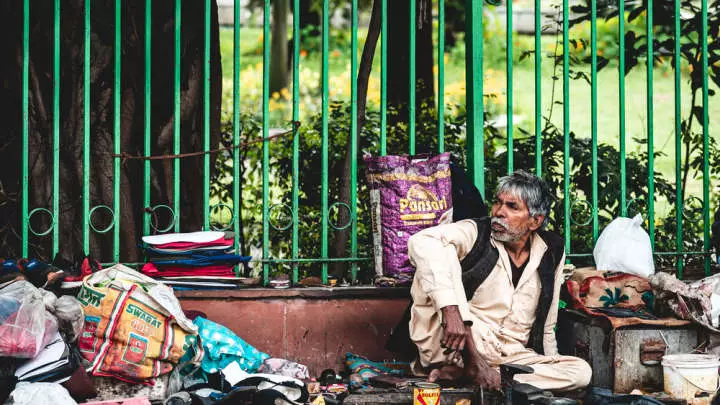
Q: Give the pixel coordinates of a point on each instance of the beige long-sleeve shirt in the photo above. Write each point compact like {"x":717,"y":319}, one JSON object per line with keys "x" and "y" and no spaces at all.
{"x":502,"y":314}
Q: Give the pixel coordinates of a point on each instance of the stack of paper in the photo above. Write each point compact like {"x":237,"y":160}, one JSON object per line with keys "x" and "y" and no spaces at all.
{"x":54,"y":363}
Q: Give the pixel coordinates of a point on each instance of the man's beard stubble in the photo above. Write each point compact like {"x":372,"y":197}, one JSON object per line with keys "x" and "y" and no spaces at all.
{"x":509,"y":235}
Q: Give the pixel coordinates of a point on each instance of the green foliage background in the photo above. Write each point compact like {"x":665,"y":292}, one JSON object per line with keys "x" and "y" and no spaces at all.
{"x":309,"y":135}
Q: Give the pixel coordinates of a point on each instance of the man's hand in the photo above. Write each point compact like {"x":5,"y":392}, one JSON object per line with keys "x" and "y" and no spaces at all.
{"x":454,"y":333}
{"x":457,"y":337}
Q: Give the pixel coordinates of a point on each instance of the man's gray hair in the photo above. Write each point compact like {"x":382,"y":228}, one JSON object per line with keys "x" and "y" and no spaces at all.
{"x":529,"y":188}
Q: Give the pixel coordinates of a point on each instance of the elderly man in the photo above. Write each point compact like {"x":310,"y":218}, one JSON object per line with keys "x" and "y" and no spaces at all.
{"x":486,"y":292}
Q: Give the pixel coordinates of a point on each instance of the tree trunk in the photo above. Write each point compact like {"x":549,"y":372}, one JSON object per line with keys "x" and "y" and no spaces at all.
{"x":101,"y":118}
{"x":341,"y":237}
{"x":398,"y":64}
{"x":309,"y":18}
{"x":279,"y":47}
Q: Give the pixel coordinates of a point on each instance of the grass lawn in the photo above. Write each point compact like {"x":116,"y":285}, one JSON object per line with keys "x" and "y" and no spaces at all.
{"x":608,"y":110}
{"x":523,"y":92}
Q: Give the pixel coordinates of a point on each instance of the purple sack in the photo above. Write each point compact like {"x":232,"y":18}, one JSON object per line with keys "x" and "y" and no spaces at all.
{"x":407,"y":194}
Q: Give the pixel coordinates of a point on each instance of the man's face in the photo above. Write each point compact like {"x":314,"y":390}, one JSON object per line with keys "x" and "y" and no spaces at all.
{"x":511,"y":219}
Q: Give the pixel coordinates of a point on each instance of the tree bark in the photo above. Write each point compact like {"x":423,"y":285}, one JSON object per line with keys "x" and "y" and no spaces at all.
{"x":398,"y":61}
{"x":101,"y":116}
{"x":365,"y":68}
{"x":279,"y":47}
{"x":309,"y":18}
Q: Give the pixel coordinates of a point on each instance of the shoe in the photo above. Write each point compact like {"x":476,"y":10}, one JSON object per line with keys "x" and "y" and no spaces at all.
{"x":9,"y":271}
{"x":40,"y":274}
{"x":77,"y":272}
{"x":8,"y":266}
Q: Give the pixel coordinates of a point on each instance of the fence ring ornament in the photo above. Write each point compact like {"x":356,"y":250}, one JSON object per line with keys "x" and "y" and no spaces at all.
{"x":336,"y":206}
{"x":52,"y":221}
{"x":154,"y":218}
{"x":232,"y":216}
{"x":107,"y":228}
{"x":280,"y":211}
{"x":687,"y":207}
{"x":587,"y":206}
{"x":635,"y":202}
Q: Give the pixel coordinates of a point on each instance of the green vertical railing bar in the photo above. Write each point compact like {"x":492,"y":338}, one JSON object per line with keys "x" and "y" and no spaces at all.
{"x":86,"y":131}
{"x":56,"y":141}
{"x":678,"y":144}
{"x":324,"y":142}
{"x":117,"y":100}
{"x":538,"y":88}
{"x":593,"y":112}
{"x":25,"y":122}
{"x":566,"y":125}
{"x":296,"y":137}
{"x":265,"y":132}
{"x":650,"y":138}
{"x":474,"y":92}
{"x":706,"y":137}
{"x":441,"y":77}
{"x":621,"y":106}
{"x":176,"y":116}
{"x":412,"y":82}
{"x":509,"y":87}
{"x":236,"y":127}
{"x":353,"y":140}
{"x":206,"y":119}
{"x":383,"y":78}
{"x":148,"y":112}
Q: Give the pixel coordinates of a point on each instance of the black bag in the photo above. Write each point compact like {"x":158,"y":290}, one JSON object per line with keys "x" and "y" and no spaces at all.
{"x":603,"y":396}
{"x":467,"y":200}
{"x":270,"y":388}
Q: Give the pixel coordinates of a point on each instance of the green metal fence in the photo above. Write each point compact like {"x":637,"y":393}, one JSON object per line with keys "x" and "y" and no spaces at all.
{"x":475,"y":138}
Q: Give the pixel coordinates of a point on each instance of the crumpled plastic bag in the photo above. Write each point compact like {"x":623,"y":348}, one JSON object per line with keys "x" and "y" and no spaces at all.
{"x":26,"y":326}
{"x":70,"y":317}
{"x":285,"y":368}
{"x":691,"y":301}
{"x":624,"y":246}
{"x":40,"y":394}
{"x":713,"y":284}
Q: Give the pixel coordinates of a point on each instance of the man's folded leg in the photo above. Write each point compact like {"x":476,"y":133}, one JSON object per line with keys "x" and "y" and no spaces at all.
{"x":553,"y":373}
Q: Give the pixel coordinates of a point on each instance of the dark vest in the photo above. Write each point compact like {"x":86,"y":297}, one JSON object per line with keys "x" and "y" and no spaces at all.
{"x":480,"y":261}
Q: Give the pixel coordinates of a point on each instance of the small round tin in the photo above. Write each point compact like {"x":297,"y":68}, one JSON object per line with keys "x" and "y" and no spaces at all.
{"x":425,"y":393}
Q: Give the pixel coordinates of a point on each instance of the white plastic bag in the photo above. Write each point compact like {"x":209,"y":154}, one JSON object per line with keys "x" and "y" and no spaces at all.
{"x":25,"y":324}
{"x":625,"y":246}
{"x":40,"y":394}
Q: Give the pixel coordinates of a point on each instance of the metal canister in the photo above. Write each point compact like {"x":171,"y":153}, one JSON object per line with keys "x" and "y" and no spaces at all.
{"x":426,"y":394}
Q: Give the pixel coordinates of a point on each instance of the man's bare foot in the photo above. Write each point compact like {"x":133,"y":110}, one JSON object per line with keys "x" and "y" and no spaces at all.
{"x":480,"y":373}
{"x":445,"y":373}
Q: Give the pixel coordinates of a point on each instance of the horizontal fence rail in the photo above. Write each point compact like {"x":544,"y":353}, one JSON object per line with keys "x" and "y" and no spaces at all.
{"x":283,"y":205}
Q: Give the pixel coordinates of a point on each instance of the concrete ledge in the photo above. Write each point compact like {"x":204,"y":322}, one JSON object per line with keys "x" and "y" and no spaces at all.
{"x":309,"y":292}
